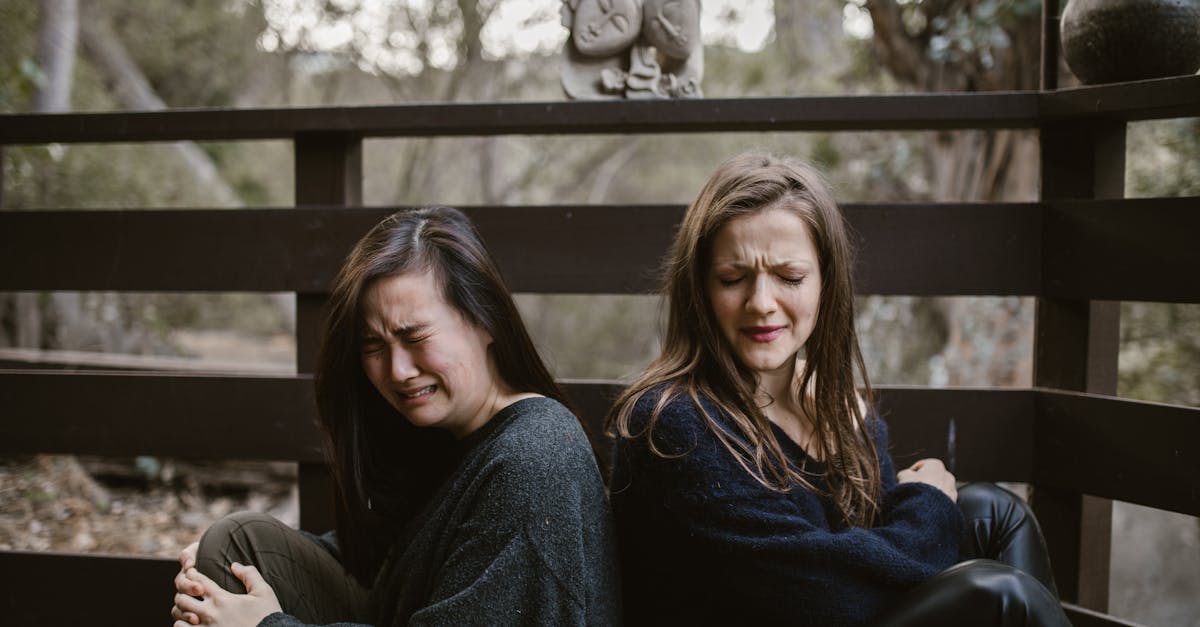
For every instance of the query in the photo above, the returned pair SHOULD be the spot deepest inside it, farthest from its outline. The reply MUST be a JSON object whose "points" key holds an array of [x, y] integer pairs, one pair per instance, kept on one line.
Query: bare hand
{"points": [[221, 607], [183, 585], [933, 472]]}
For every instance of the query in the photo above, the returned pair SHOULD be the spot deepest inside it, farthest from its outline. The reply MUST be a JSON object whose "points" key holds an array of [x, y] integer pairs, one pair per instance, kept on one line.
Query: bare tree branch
{"points": [[134, 91]]}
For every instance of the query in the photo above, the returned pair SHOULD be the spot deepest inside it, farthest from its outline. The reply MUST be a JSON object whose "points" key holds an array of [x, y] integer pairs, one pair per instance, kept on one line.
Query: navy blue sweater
{"points": [[703, 542]]}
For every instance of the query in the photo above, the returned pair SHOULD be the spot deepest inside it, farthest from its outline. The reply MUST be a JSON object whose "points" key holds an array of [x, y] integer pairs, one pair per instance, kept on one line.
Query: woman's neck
{"points": [[776, 386], [776, 397]]}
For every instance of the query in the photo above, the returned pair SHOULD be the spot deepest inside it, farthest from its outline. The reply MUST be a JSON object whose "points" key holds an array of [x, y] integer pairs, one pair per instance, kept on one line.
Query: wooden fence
{"points": [[1078, 250]]}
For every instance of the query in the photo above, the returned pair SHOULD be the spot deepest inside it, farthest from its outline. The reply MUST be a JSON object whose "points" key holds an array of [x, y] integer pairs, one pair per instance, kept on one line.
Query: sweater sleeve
{"points": [[771, 553], [279, 619]]}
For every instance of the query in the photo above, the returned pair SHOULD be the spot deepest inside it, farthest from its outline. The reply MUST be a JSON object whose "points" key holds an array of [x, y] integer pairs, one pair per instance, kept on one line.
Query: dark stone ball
{"points": [[1107, 41]]}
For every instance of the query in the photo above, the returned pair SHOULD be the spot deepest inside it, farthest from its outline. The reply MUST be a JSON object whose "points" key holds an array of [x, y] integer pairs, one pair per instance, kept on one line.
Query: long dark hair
{"points": [[384, 469], [697, 360]]}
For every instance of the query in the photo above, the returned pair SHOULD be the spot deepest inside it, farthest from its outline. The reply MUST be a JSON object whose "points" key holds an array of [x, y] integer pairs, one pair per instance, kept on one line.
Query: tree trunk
{"points": [[973, 166], [58, 28], [134, 91], [809, 31], [57, 33]]}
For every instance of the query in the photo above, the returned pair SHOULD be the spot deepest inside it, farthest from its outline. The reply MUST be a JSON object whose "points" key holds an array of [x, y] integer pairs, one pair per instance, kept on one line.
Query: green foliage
{"points": [[1160, 352], [1160, 342], [902, 338], [970, 30], [825, 154], [1164, 158], [248, 313], [593, 336], [98, 176], [195, 53], [19, 76]]}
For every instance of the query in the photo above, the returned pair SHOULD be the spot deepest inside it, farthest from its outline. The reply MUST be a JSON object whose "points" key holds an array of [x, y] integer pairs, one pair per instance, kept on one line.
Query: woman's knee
{"points": [[988, 500], [1010, 595], [977, 592], [235, 538]]}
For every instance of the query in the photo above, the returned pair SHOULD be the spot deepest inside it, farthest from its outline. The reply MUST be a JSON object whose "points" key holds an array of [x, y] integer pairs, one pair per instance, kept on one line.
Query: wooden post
{"points": [[1076, 349], [1050, 44], [328, 168]]}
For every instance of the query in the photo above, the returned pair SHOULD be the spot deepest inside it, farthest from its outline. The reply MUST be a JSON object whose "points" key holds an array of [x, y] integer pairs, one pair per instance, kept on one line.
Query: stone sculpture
{"points": [[632, 49], [1106, 41]]}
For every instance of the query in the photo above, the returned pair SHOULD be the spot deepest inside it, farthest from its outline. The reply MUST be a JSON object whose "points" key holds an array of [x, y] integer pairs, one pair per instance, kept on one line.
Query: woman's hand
{"points": [[221, 607], [933, 472], [183, 585]]}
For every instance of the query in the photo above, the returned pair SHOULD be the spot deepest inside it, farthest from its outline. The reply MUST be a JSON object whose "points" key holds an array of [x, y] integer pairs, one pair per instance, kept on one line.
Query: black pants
{"points": [[1006, 580], [308, 581]]}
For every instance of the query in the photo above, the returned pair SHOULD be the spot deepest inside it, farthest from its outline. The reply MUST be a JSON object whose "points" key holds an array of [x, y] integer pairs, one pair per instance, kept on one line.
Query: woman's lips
{"points": [[417, 395], [763, 334]]}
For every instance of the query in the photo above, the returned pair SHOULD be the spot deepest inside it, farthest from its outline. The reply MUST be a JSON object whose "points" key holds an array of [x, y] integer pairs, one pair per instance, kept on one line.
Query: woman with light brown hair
{"points": [[751, 480]]}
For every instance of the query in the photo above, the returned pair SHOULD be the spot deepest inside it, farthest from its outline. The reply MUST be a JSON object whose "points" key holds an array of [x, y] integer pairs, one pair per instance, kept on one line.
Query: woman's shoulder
{"points": [[540, 462], [671, 403], [542, 439], [676, 418]]}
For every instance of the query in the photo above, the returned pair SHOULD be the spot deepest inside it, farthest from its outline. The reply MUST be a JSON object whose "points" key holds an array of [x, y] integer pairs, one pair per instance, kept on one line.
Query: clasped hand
{"points": [[200, 601], [933, 472]]}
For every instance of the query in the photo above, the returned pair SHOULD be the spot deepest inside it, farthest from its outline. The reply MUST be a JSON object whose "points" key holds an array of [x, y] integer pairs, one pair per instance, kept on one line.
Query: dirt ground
{"points": [[133, 507]]}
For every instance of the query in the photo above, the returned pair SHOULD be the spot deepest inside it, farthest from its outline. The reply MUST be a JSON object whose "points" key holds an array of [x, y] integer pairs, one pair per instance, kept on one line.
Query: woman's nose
{"points": [[761, 299], [403, 367]]}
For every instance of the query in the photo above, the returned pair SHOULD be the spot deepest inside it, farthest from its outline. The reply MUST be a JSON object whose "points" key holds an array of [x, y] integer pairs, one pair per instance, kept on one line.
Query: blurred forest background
{"points": [[100, 55]]}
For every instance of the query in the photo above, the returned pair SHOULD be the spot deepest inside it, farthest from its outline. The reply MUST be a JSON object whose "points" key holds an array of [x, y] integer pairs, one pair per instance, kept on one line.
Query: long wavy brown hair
{"points": [[698, 361]]}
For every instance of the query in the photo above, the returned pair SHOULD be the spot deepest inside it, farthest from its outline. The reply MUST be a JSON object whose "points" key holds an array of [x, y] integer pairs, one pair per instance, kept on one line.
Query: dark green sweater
{"points": [[519, 534]]}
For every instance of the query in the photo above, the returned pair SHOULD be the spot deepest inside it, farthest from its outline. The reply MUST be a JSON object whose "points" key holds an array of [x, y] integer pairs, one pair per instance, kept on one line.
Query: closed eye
{"points": [[791, 280], [729, 281]]}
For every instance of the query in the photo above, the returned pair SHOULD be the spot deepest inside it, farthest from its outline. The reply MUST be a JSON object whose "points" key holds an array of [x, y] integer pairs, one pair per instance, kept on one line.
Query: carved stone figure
{"points": [[632, 49]]}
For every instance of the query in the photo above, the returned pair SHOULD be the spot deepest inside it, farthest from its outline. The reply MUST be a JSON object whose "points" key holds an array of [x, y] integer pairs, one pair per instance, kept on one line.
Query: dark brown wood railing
{"points": [[1080, 248]]}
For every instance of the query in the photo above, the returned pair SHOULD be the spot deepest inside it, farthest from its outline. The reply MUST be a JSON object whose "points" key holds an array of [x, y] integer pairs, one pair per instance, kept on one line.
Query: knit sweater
{"points": [[703, 542], [519, 534]]}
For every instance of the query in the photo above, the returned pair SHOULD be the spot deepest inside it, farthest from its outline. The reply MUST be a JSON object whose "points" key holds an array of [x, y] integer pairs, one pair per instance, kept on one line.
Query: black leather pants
{"points": [[1006, 580]]}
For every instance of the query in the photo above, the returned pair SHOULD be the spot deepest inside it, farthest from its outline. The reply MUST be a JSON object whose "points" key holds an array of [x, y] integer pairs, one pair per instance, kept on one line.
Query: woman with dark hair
{"points": [[467, 492], [751, 480]]}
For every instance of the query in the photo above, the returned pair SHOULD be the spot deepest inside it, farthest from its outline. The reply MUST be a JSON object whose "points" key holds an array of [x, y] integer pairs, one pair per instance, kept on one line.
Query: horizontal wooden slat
{"points": [[1174, 97], [981, 434], [539, 248], [253, 417], [1144, 453], [125, 414], [178, 250], [969, 248], [1170, 97], [881, 112], [112, 590], [1135, 249], [948, 249], [1107, 447], [185, 415], [31, 591]]}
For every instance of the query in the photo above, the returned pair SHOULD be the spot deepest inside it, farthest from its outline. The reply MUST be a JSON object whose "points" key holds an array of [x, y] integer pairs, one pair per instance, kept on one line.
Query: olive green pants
{"points": [[308, 581]]}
